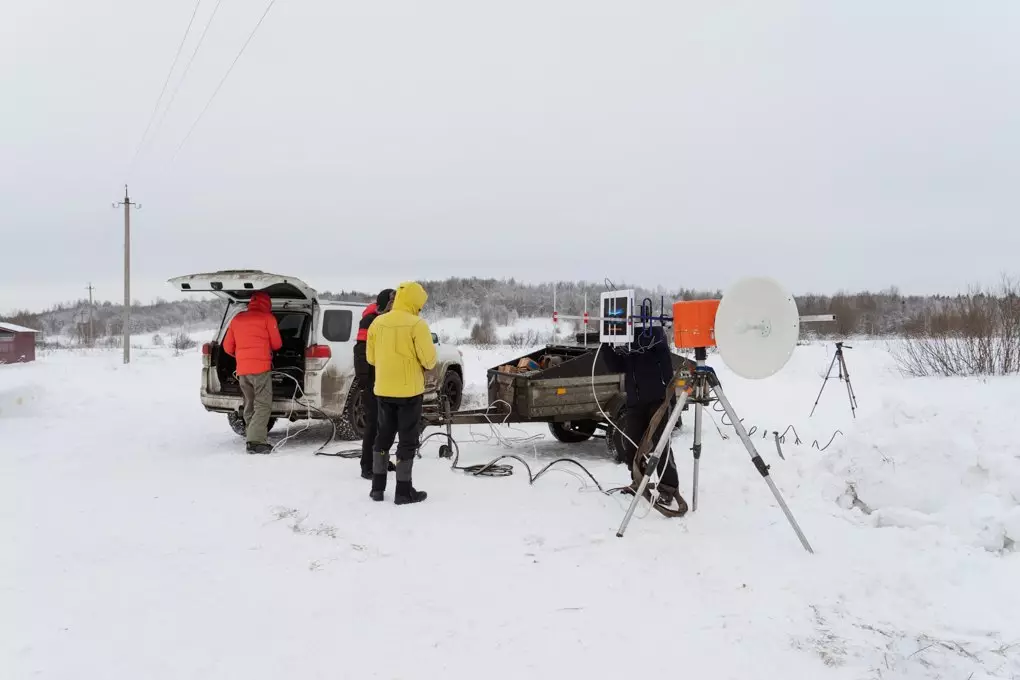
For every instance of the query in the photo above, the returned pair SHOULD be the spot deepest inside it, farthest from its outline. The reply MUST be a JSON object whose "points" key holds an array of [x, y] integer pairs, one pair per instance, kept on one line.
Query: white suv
{"points": [[317, 353]]}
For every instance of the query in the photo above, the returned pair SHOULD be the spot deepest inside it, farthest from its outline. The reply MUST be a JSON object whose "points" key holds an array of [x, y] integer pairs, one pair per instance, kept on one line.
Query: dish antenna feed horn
{"points": [[755, 328]]}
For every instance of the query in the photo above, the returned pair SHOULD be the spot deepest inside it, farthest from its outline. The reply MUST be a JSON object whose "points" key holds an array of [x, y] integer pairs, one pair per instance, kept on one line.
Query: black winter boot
{"points": [[406, 493], [378, 487], [258, 448]]}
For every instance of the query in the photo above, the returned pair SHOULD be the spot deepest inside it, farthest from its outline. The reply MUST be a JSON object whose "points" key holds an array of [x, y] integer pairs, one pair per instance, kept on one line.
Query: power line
{"points": [[187, 68], [166, 82], [225, 76]]}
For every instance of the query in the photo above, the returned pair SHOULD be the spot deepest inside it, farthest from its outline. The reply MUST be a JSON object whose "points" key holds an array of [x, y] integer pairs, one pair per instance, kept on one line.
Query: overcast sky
{"points": [[833, 145]]}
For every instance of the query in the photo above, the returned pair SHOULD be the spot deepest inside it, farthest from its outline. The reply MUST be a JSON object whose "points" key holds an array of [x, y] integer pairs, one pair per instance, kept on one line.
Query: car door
{"points": [[338, 330]]}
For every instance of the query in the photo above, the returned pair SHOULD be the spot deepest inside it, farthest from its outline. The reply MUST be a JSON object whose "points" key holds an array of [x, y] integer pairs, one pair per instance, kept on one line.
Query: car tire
{"points": [[573, 432], [453, 389], [351, 425], [236, 421]]}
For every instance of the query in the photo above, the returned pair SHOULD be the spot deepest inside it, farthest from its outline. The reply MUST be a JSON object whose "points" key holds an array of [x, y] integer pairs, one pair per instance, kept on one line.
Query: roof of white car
{"points": [[344, 303]]}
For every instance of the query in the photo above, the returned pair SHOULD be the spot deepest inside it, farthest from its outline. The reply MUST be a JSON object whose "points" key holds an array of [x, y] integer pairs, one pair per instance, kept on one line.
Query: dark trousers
{"points": [[371, 405], [638, 418], [398, 417]]}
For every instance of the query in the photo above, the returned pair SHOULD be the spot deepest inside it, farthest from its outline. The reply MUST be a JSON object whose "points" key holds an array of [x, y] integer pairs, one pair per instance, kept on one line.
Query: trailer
{"points": [[569, 387]]}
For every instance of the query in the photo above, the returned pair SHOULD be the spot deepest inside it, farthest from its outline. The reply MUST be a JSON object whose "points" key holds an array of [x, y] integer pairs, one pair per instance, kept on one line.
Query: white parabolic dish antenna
{"points": [[756, 327]]}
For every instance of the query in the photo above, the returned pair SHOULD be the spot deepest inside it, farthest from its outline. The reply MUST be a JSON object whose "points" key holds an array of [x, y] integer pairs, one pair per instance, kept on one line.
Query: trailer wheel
{"points": [[573, 432], [453, 389]]}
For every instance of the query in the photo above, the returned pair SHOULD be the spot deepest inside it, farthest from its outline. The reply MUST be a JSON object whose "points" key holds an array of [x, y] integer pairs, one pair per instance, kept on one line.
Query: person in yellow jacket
{"points": [[400, 348]]}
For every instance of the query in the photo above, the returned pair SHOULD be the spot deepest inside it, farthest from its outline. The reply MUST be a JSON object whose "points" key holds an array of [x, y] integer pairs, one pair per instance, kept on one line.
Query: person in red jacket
{"points": [[252, 337]]}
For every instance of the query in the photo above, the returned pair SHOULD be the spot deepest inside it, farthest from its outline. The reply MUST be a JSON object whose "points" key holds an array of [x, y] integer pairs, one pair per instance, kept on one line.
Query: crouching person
{"points": [[365, 373], [252, 337], [647, 366], [400, 347]]}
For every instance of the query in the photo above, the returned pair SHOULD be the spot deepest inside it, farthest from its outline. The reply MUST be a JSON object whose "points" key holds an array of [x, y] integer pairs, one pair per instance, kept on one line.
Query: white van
{"points": [[315, 366]]}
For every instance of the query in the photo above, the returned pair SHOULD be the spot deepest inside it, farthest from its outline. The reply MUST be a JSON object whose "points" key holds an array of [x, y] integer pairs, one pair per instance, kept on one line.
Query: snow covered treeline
{"points": [[489, 303]]}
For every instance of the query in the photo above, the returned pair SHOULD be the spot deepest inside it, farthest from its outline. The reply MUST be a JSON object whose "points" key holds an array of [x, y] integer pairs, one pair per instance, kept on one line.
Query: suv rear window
{"points": [[336, 325]]}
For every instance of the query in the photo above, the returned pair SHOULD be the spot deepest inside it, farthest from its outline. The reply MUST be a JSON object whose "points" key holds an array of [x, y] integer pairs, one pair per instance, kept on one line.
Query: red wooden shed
{"points": [[17, 343]]}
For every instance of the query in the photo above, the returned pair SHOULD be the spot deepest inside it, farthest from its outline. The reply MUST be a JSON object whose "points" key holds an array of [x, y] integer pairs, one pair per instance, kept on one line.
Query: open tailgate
{"points": [[238, 285]]}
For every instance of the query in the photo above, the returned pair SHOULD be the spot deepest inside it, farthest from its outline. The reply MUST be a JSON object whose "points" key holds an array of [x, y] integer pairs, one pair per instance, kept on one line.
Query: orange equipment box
{"points": [[694, 323]]}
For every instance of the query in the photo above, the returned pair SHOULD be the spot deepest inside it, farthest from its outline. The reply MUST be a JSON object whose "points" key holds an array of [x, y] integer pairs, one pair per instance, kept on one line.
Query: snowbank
{"points": [[948, 460]]}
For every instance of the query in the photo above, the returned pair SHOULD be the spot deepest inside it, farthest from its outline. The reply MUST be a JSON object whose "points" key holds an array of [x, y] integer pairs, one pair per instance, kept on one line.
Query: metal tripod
{"points": [[703, 388], [844, 375]]}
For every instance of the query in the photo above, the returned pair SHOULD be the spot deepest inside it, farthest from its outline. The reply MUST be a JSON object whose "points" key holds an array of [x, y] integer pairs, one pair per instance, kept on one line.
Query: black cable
{"points": [[822, 448], [225, 76], [187, 69], [494, 469], [765, 432], [166, 82]]}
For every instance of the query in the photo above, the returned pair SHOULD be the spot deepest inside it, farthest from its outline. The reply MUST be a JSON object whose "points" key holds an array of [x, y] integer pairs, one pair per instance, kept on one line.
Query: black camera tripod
{"points": [[844, 375]]}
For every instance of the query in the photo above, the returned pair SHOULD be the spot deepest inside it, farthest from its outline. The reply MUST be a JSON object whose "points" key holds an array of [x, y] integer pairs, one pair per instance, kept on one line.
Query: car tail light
{"points": [[316, 357], [207, 354], [318, 352]]}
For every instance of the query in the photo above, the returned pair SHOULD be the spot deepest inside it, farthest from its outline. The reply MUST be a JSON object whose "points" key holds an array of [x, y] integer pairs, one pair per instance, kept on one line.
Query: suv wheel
{"points": [[356, 412], [351, 425], [236, 421]]}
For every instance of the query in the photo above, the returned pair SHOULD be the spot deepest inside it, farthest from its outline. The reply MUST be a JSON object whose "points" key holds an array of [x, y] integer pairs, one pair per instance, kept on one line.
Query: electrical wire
{"points": [[187, 68], [309, 407], [765, 431], [494, 469], [224, 79], [508, 442], [166, 82]]}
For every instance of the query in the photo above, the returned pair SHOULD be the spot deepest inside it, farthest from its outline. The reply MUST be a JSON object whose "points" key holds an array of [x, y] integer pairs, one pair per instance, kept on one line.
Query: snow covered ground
{"points": [[141, 542]]}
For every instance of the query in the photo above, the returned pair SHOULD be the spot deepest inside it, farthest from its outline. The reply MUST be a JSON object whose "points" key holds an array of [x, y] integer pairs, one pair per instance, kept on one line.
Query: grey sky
{"points": [[834, 145]]}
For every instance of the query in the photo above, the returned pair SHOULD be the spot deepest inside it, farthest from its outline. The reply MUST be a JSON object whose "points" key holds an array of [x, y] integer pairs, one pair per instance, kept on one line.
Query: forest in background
{"points": [[973, 333], [501, 302]]}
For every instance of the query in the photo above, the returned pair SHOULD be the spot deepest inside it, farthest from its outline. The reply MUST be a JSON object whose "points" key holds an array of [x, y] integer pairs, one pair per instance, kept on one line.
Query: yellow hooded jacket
{"points": [[400, 345]]}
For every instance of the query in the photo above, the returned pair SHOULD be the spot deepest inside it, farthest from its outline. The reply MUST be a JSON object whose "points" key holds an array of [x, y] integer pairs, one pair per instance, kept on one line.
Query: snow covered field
{"points": [[141, 542]]}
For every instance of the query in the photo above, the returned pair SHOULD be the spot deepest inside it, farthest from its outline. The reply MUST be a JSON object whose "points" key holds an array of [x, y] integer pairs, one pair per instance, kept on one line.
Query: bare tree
{"points": [[973, 334]]}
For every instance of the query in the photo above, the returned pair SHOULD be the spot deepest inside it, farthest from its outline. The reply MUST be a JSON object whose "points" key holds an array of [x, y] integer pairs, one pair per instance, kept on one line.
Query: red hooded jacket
{"points": [[372, 309], [253, 336]]}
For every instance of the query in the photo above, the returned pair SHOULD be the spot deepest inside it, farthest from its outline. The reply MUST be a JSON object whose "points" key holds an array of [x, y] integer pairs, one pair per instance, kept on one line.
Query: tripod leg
{"points": [[653, 462], [696, 449], [762, 468], [824, 380], [849, 387]]}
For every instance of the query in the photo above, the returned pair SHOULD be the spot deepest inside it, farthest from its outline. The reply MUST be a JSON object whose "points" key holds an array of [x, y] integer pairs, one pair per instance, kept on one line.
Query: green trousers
{"points": [[258, 403]]}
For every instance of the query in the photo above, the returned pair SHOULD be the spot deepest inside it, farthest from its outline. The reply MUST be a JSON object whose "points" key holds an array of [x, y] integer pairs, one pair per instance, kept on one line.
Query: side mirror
{"points": [[435, 339]]}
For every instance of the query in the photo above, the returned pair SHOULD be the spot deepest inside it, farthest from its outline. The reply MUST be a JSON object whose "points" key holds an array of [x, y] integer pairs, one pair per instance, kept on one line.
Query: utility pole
{"points": [[127, 270], [92, 330]]}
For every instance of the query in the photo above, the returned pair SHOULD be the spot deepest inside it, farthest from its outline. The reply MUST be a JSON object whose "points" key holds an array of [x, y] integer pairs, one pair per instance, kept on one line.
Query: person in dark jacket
{"points": [[365, 373], [647, 366]]}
